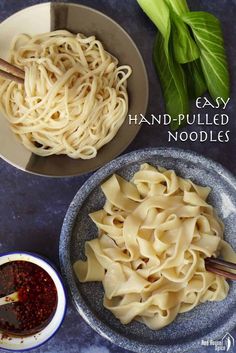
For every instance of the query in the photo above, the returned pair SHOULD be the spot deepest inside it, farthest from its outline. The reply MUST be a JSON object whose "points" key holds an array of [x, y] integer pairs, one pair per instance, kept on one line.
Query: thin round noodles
{"points": [[154, 234], [74, 99]]}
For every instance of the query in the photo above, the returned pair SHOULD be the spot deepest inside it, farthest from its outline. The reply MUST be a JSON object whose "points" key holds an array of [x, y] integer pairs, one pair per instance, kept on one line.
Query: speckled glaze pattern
{"points": [[207, 321]]}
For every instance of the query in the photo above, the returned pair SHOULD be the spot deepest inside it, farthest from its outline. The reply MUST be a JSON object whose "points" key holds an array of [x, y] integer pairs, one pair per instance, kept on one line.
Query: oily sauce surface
{"points": [[37, 298]]}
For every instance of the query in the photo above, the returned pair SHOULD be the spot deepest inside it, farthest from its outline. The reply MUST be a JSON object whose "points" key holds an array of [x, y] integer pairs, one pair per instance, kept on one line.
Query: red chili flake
{"points": [[37, 298]]}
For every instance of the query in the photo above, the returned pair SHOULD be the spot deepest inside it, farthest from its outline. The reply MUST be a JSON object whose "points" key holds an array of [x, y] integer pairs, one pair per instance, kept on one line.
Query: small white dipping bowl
{"points": [[14, 343]]}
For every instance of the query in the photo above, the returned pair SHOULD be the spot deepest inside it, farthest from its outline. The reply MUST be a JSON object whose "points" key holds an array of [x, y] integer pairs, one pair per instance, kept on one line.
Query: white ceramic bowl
{"points": [[14, 343], [76, 18]]}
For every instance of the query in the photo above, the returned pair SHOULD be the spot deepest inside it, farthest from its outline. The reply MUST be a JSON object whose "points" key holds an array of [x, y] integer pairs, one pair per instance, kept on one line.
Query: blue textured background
{"points": [[32, 208]]}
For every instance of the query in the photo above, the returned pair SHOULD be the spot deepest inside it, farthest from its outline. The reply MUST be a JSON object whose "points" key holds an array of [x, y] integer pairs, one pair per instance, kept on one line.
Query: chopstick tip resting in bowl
{"points": [[221, 267], [11, 72]]}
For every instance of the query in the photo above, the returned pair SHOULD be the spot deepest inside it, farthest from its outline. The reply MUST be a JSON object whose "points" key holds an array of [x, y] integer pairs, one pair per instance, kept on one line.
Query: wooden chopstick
{"points": [[11, 72], [218, 266], [221, 262]]}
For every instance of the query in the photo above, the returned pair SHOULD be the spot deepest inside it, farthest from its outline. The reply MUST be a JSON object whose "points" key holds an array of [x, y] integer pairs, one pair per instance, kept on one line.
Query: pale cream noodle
{"points": [[154, 233], [74, 99]]}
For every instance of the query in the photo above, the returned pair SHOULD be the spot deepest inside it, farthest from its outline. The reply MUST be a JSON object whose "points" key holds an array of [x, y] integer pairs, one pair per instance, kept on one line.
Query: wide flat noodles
{"points": [[154, 233]]}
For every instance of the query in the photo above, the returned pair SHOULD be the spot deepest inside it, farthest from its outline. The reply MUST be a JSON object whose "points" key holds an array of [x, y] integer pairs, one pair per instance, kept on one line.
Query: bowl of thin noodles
{"points": [[70, 115]]}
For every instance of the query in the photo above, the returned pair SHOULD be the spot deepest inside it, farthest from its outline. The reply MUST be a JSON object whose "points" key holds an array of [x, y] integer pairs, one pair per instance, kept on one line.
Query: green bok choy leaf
{"points": [[185, 48], [159, 13], [195, 79], [173, 81], [178, 6], [188, 54], [208, 35]]}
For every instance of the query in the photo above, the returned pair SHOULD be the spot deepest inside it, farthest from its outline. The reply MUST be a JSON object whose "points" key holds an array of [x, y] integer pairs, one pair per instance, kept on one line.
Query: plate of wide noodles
{"points": [[133, 248], [80, 72]]}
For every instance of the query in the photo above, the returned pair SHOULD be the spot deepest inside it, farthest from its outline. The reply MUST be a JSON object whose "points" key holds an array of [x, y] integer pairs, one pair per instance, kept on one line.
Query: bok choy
{"points": [[188, 54]]}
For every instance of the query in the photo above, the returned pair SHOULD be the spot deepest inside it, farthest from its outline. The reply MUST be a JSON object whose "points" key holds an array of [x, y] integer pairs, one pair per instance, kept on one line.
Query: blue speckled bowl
{"points": [[208, 321]]}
